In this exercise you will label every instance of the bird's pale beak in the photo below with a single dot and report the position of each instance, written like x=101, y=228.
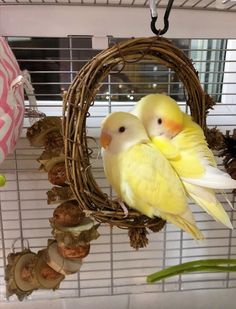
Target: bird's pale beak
x=105, y=139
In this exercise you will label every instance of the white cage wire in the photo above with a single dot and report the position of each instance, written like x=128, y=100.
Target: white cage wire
x=113, y=267
x=211, y=5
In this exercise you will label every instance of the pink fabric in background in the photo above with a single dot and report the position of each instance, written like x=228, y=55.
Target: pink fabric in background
x=11, y=101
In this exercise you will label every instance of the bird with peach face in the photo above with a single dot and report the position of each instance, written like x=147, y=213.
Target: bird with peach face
x=141, y=175
x=183, y=144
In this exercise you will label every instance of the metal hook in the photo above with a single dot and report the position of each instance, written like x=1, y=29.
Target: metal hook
x=153, y=10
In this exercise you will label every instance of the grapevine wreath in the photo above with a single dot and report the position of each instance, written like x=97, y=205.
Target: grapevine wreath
x=77, y=102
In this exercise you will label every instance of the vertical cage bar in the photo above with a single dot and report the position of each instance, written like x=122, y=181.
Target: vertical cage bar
x=164, y=257
x=19, y=201
x=71, y=79
x=230, y=240
x=111, y=229
x=2, y=236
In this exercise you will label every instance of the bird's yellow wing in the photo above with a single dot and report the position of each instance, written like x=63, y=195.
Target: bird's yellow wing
x=193, y=138
x=144, y=179
x=167, y=148
x=149, y=184
x=187, y=151
x=112, y=170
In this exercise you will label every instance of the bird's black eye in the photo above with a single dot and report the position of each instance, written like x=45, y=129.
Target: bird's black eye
x=159, y=121
x=121, y=129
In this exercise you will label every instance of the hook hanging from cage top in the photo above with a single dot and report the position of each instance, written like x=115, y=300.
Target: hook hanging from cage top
x=153, y=9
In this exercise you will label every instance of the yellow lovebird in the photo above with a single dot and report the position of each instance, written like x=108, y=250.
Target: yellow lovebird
x=141, y=176
x=183, y=143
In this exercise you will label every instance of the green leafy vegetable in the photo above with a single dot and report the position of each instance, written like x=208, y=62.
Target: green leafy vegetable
x=212, y=265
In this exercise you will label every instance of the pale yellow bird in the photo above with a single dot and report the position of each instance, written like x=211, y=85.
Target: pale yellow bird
x=183, y=143
x=141, y=176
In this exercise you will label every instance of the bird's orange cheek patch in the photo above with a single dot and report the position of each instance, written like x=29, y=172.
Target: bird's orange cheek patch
x=173, y=126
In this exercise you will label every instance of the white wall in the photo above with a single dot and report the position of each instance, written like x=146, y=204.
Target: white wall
x=120, y=22
x=207, y=299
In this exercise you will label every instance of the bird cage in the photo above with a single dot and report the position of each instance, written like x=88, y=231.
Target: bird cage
x=113, y=268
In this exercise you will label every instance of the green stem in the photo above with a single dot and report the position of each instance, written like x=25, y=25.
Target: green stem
x=199, y=265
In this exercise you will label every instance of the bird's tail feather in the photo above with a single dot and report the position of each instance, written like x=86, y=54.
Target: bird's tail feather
x=213, y=178
x=185, y=225
x=206, y=199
